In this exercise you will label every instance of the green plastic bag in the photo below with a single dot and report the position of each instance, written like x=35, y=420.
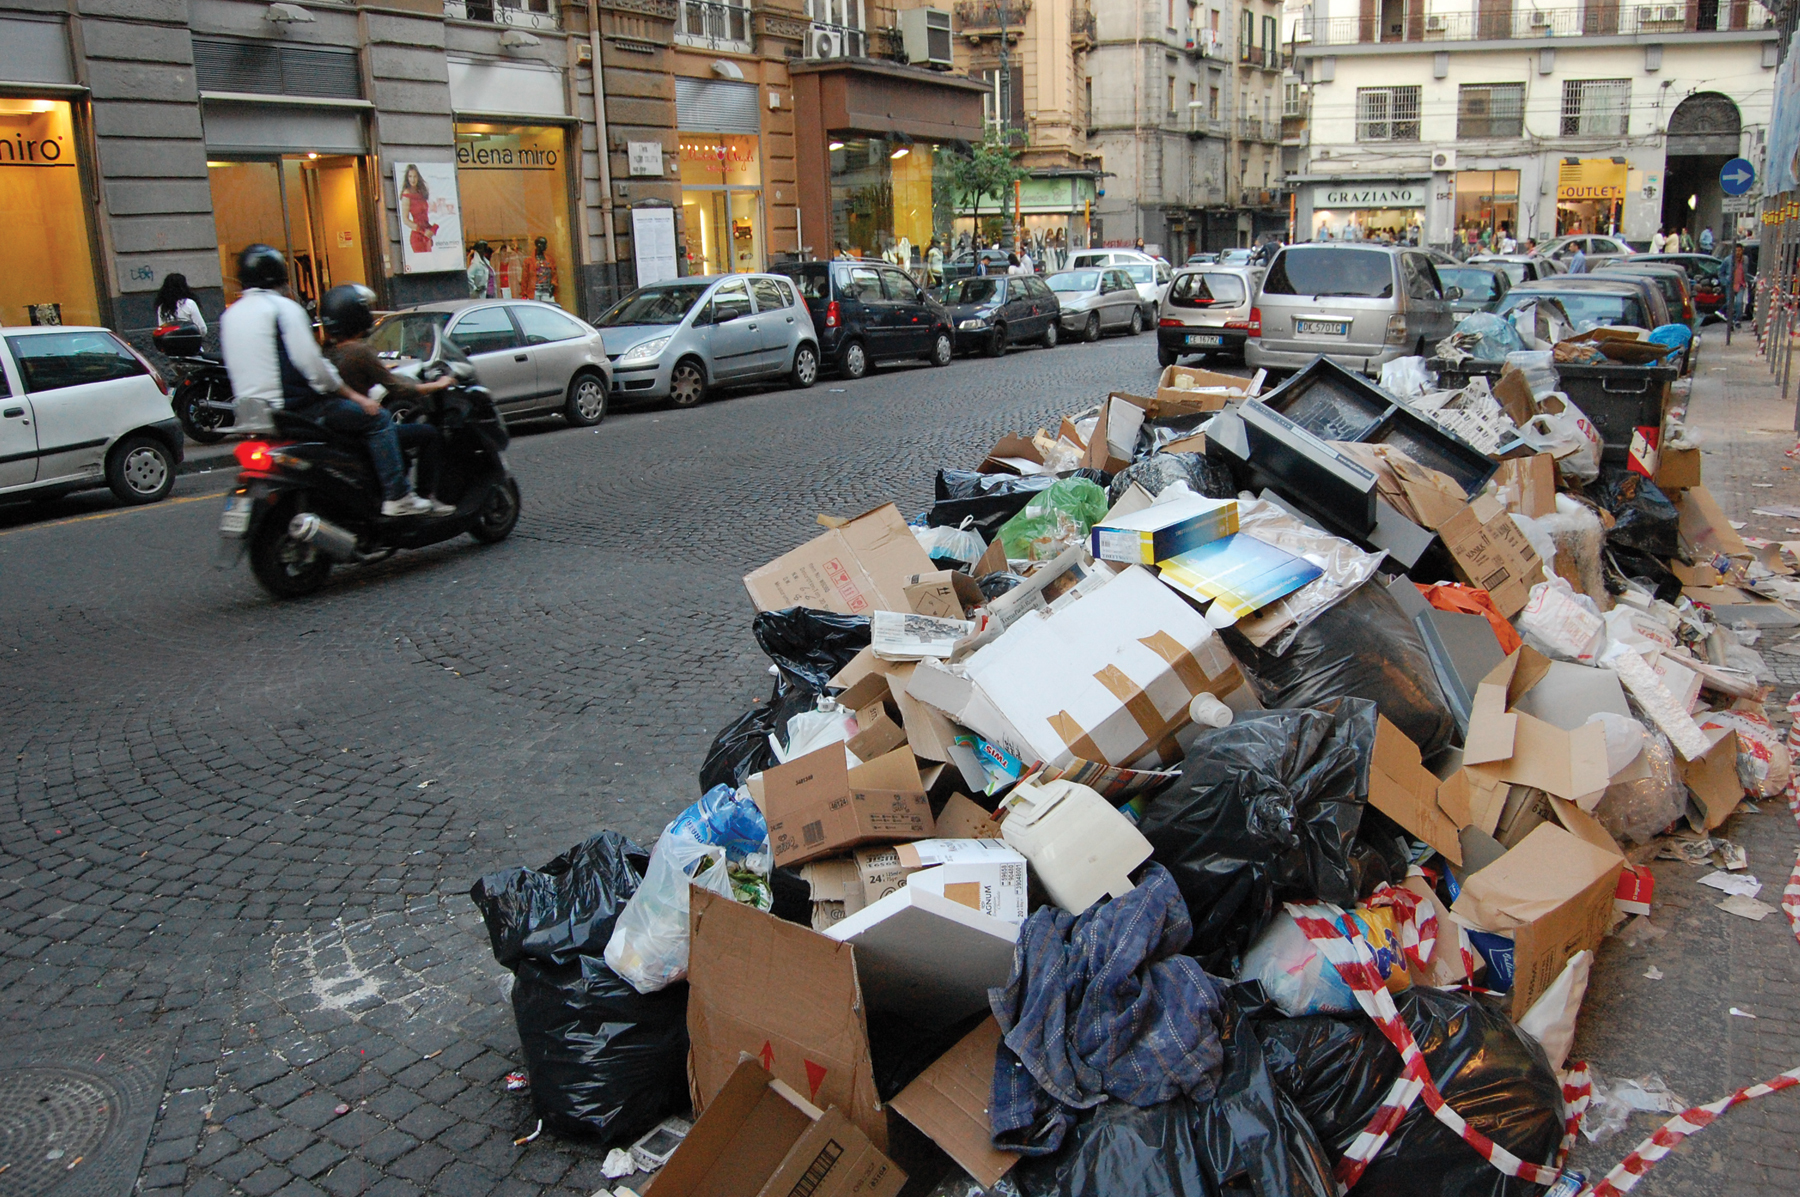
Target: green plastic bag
x=1054, y=519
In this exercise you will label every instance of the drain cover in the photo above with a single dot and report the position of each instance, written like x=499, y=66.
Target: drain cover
x=75, y=1119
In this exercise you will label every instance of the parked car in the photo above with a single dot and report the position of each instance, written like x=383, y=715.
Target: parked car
x=1706, y=276
x=534, y=358
x=1083, y=258
x=1481, y=287
x=991, y=314
x=1244, y=256
x=865, y=313
x=1202, y=259
x=1602, y=301
x=79, y=408
x=1669, y=278
x=1592, y=244
x=1151, y=280
x=1360, y=305
x=678, y=339
x=1655, y=310
x=1520, y=268
x=963, y=264
x=1207, y=311
x=1096, y=300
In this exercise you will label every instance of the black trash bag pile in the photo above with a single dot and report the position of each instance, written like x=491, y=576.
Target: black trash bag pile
x=1121, y=1150
x=1644, y=521
x=1158, y=472
x=1267, y=810
x=989, y=500
x=605, y=1061
x=1363, y=646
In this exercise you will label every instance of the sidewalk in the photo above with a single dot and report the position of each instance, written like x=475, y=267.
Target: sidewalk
x=202, y=459
x=1680, y=1026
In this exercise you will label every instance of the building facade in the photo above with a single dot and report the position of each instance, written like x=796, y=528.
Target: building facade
x=1441, y=121
x=1185, y=111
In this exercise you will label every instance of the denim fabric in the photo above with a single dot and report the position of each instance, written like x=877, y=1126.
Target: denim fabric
x=341, y=415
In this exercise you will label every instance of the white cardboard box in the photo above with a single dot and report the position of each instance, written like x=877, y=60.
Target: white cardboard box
x=1080, y=847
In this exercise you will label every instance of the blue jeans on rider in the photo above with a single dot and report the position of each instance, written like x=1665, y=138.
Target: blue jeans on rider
x=341, y=415
x=426, y=443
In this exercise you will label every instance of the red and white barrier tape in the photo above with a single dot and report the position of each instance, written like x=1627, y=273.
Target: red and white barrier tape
x=1631, y=1169
x=1790, y=894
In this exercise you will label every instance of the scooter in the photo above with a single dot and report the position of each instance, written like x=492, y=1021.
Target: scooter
x=202, y=399
x=310, y=499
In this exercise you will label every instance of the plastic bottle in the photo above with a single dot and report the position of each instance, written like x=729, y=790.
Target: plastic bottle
x=1208, y=711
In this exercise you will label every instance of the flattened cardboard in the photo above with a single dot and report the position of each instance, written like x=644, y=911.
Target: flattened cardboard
x=1513, y=393
x=856, y=569
x=1713, y=777
x=816, y=806
x=1677, y=469
x=1704, y=528
x=963, y=819
x=784, y=995
x=1531, y=482
x=1491, y=553
x=836, y=889
x=759, y=1137
x=1520, y=749
x=948, y=1103
x=1405, y=791
x=1013, y=455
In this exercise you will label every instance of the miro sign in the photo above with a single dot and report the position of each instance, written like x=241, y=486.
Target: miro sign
x=1369, y=195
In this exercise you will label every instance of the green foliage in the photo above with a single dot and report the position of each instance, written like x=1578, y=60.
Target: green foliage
x=990, y=169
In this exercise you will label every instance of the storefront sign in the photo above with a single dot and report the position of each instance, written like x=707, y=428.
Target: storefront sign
x=645, y=158
x=430, y=217
x=1369, y=195
x=1591, y=179
x=477, y=156
x=47, y=278
x=653, y=244
x=727, y=158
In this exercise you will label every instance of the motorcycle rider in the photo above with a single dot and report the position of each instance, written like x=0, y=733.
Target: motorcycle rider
x=271, y=356
x=346, y=313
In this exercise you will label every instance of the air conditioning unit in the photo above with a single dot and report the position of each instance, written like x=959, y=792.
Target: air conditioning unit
x=824, y=41
x=1666, y=12
x=925, y=37
x=1540, y=20
x=1443, y=160
x=1435, y=23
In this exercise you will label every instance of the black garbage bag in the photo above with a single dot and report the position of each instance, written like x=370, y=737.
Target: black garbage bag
x=1121, y=1150
x=742, y=748
x=998, y=583
x=1643, y=517
x=810, y=646
x=1251, y=1136
x=1267, y=810
x=1340, y=1068
x=1362, y=646
x=605, y=1061
x=564, y=910
x=1155, y=473
x=989, y=500
x=1652, y=573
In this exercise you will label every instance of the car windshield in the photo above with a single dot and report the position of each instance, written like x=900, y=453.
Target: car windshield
x=1587, y=309
x=1331, y=270
x=1515, y=271
x=654, y=305
x=972, y=290
x=810, y=277
x=1140, y=274
x=1476, y=284
x=1074, y=281
x=407, y=334
x=1201, y=290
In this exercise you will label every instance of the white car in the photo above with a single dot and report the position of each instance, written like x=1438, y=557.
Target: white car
x=80, y=408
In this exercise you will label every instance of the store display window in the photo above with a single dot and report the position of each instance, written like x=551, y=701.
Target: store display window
x=514, y=184
x=49, y=272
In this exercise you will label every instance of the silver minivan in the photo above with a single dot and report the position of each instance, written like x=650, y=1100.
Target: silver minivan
x=1359, y=304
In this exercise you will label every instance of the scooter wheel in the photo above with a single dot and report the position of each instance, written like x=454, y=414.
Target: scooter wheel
x=285, y=567
x=499, y=513
x=202, y=423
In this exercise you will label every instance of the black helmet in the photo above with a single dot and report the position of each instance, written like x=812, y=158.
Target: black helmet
x=346, y=311
x=262, y=266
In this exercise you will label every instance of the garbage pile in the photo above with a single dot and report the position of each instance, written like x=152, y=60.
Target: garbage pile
x=1226, y=791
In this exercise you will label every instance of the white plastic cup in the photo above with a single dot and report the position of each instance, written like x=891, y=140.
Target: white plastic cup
x=1207, y=711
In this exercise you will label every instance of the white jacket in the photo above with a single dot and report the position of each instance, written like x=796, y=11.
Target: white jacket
x=247, y=333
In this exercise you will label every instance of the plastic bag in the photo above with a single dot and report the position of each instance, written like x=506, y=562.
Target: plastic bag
x=1643, y=518
x=1649, y=797
x=1339, y=1070
x=951, y=544
x=1405, y=378
x=1675, y=336
x=809, y=646
x=708, y=845
x=984, y=500
x=1454, y=596
x=1298, y=978
x=1539, y=368
x=1363, y=646
x=1626, y=738
x=1764, y=765
x=810, y=731
x=1156, y=474
x=1346, y=567
x=1560, y=428
x=1266, y=810
x=1053, y=520
x=1482, y=336
x=1120, y=1150
x=1562, y=624
x=564, y=910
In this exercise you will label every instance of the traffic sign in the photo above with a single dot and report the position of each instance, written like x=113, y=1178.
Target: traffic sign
x=1736, y=176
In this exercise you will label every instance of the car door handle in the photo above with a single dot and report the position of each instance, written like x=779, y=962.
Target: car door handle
x=14, y=411
x=521, y=357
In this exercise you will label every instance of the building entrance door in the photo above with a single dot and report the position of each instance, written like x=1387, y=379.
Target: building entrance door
x=309, y=206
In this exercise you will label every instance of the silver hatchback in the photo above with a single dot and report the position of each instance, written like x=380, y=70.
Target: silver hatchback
x=678, y=339
x=1206, y=311
x=1359, y=304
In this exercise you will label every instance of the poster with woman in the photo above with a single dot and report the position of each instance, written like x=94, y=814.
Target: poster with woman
x=430, y=218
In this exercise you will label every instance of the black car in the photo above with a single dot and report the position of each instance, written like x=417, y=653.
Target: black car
x=992, y=313
x=869, y=312
x=965, y=264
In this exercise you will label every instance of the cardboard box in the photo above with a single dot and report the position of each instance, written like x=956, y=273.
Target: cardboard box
x=1401, y=788
x=1637, y=890
x=760, y=1137
x=1530, y=483
x=1013, y=455
x=1491, y=553
x=948, y=1102
x=946, y=594
x=963, y=819
x=1513, y=393
x=1519, y=749
x=836, y=888
x=1080, y=848
x=1713, y=777
x=883, y=870
x=1114, y=442
x=1704, y=529
x=816, y=806
x=1553, y=893
x=855, y=569
x=1677, y=469
x=1163, y=530
x=876, y=732
x=1184, y=390
x=1239, y=573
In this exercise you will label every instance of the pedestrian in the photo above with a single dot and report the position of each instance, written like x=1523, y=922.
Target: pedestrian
x=934, y=263
x=1687, y=241
x=1012, y=264
x=1531, y=245
x=1578, y=262
x=1740, y=283
x=481, y=272
x=1507, y=244
x=1139, y=246
x=176, y=303
x=1706, y=240
x=1657, y=241
x=1026, y=265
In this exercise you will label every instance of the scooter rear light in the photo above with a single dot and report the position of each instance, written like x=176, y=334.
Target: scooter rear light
x=832, y=317
x=257, y=456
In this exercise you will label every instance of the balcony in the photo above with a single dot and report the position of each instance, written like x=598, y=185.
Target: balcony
x=519, y=14
x=1207, y=43
x=1249, y=128
x=989, y=16
x=1199, y=125
x=1508, y=21
x=1269, y=57
x=710, y=25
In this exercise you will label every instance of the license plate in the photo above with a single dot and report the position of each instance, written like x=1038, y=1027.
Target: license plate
x=235, y=520
x=1205, y=339
x=1322, y=328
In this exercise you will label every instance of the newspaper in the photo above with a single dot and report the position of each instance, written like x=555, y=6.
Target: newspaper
x=904, y=636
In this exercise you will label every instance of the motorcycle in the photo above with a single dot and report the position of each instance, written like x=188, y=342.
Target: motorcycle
x=310, y=500
x=202, y=400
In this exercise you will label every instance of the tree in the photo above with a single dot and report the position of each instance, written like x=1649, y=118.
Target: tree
x=990, y=168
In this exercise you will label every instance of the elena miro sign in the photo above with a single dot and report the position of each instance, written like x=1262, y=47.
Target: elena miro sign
x=18, y=149
x=478, y=156
x=1369, y=195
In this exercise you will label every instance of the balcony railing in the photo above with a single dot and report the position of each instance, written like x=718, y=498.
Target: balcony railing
x=1083, y=28
x=1249, y=128
x=1505, y=21
x=713, y=25
x=974, y=15
x=1272, y=57
x=523, y=14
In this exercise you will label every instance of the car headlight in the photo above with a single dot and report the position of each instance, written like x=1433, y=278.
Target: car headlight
x=973, y=322
x=645, y=350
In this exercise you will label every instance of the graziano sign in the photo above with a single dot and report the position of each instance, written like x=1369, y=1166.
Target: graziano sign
x=1369, y=195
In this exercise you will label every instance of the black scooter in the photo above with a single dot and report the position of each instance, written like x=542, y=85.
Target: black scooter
x=309, y=499
x=202, y=399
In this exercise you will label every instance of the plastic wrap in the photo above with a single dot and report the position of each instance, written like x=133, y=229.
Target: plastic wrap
x=1764, y=764
x=1405, y=378
x=1266, y=810
x=1643, y=518
x=1561, y=429
x=1053, y=520
x=1649, y=798
x=1363, y=646
x=1539, y=368
x=1203, y=475
x=1562, y=624
x=1482, y=336
x=1346, y=568
x=1298, y=978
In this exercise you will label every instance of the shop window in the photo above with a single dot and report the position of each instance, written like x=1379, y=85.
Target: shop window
x=514, y=185
x=1487, y=204
x=49, y=273
x=308, y=206
x=1596, y=107
x=1387, y=113
x=1490, y=110
x=889, y=199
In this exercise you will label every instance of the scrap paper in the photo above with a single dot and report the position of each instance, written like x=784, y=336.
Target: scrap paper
x=1239, y=572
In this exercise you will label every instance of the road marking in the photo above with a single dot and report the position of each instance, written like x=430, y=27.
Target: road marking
x=102, y=515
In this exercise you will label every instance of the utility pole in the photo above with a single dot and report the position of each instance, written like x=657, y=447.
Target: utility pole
x=1003, y=115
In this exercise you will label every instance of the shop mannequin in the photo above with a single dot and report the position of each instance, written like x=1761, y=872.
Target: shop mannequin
x=544, y=274
x=512, y=272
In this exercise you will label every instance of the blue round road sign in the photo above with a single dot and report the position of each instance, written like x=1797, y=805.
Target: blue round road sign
x=1736, y=176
